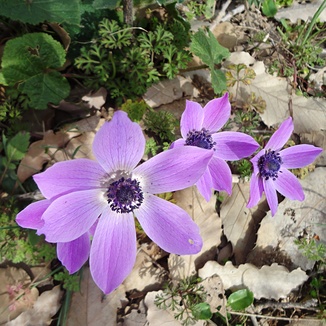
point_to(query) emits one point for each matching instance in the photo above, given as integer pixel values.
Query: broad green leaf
(208, 49)
(30, 61)
(240, 299)
(17, 146)
(45, 88)
(218, 81)
(269, 8)
(202, 311)
(37, 11)
(105, 4)
(2, 80)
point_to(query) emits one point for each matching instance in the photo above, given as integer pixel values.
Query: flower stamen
(125, 195)
(201, 139)
(269, 165)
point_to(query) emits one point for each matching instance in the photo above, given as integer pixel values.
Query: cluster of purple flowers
(89, 206)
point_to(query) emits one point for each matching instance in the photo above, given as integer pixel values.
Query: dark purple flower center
(269, 165)
(200, 139)
(125, 195)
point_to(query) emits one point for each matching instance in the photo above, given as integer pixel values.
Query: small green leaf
(208, 49)
(33, 238)
(202, 311)
(269, 8)
(240, 299)
(17, 146)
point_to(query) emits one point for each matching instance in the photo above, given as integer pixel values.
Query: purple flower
(82, 192)
(199, 128)
(271, 166)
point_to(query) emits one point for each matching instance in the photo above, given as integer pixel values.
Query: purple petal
(221, 175)
(299, 156)
(113, 251)
(281, 135)
(205, 185)
(74, 254)
(289, 186)
(233, 146)
(217, 113)
(169, 226)
(31, 216)
(119, 144)
(178, 143)
(271, 195)
(192, 118)
(72, 215)
(174, 169)
(256, 190)
(68, 176)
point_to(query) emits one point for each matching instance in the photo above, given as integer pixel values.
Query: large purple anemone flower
(199, 128)
(82, 195)
(271, 166)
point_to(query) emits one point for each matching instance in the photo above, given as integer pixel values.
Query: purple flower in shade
(81, 193)
(271, 166)
(199, 128)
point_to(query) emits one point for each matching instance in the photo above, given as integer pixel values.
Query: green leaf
(30, 61)
(17, 146)
(208, 49)
(37, 11)
(218, 81)
(2, 80)
(105, 4)
(240, 299)
(45, 88)
(269, 8)
(202, 311)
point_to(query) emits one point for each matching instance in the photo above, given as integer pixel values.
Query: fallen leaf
(168, 91)
(240, 223)
(39, 153)
(309, 114)
(91, 307)
(145, 275)
(162, 317)
(15, 295)
(97, 99)
(205, 216)
(45, 307)
(137, 317)
(270, 282)
(294, 219)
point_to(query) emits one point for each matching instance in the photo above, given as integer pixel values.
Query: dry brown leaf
(205, 216)
(301, 12)
(295, 219)
(240, 224)
(145, 275)
(39, 153)
(309, 114)
(91, 307)
(270, 282)
(168, 91)
(45, 307)
(97, 99)
(160, 317)
(15, 296)
(215, 294)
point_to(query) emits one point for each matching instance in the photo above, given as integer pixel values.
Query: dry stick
(271, 317)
